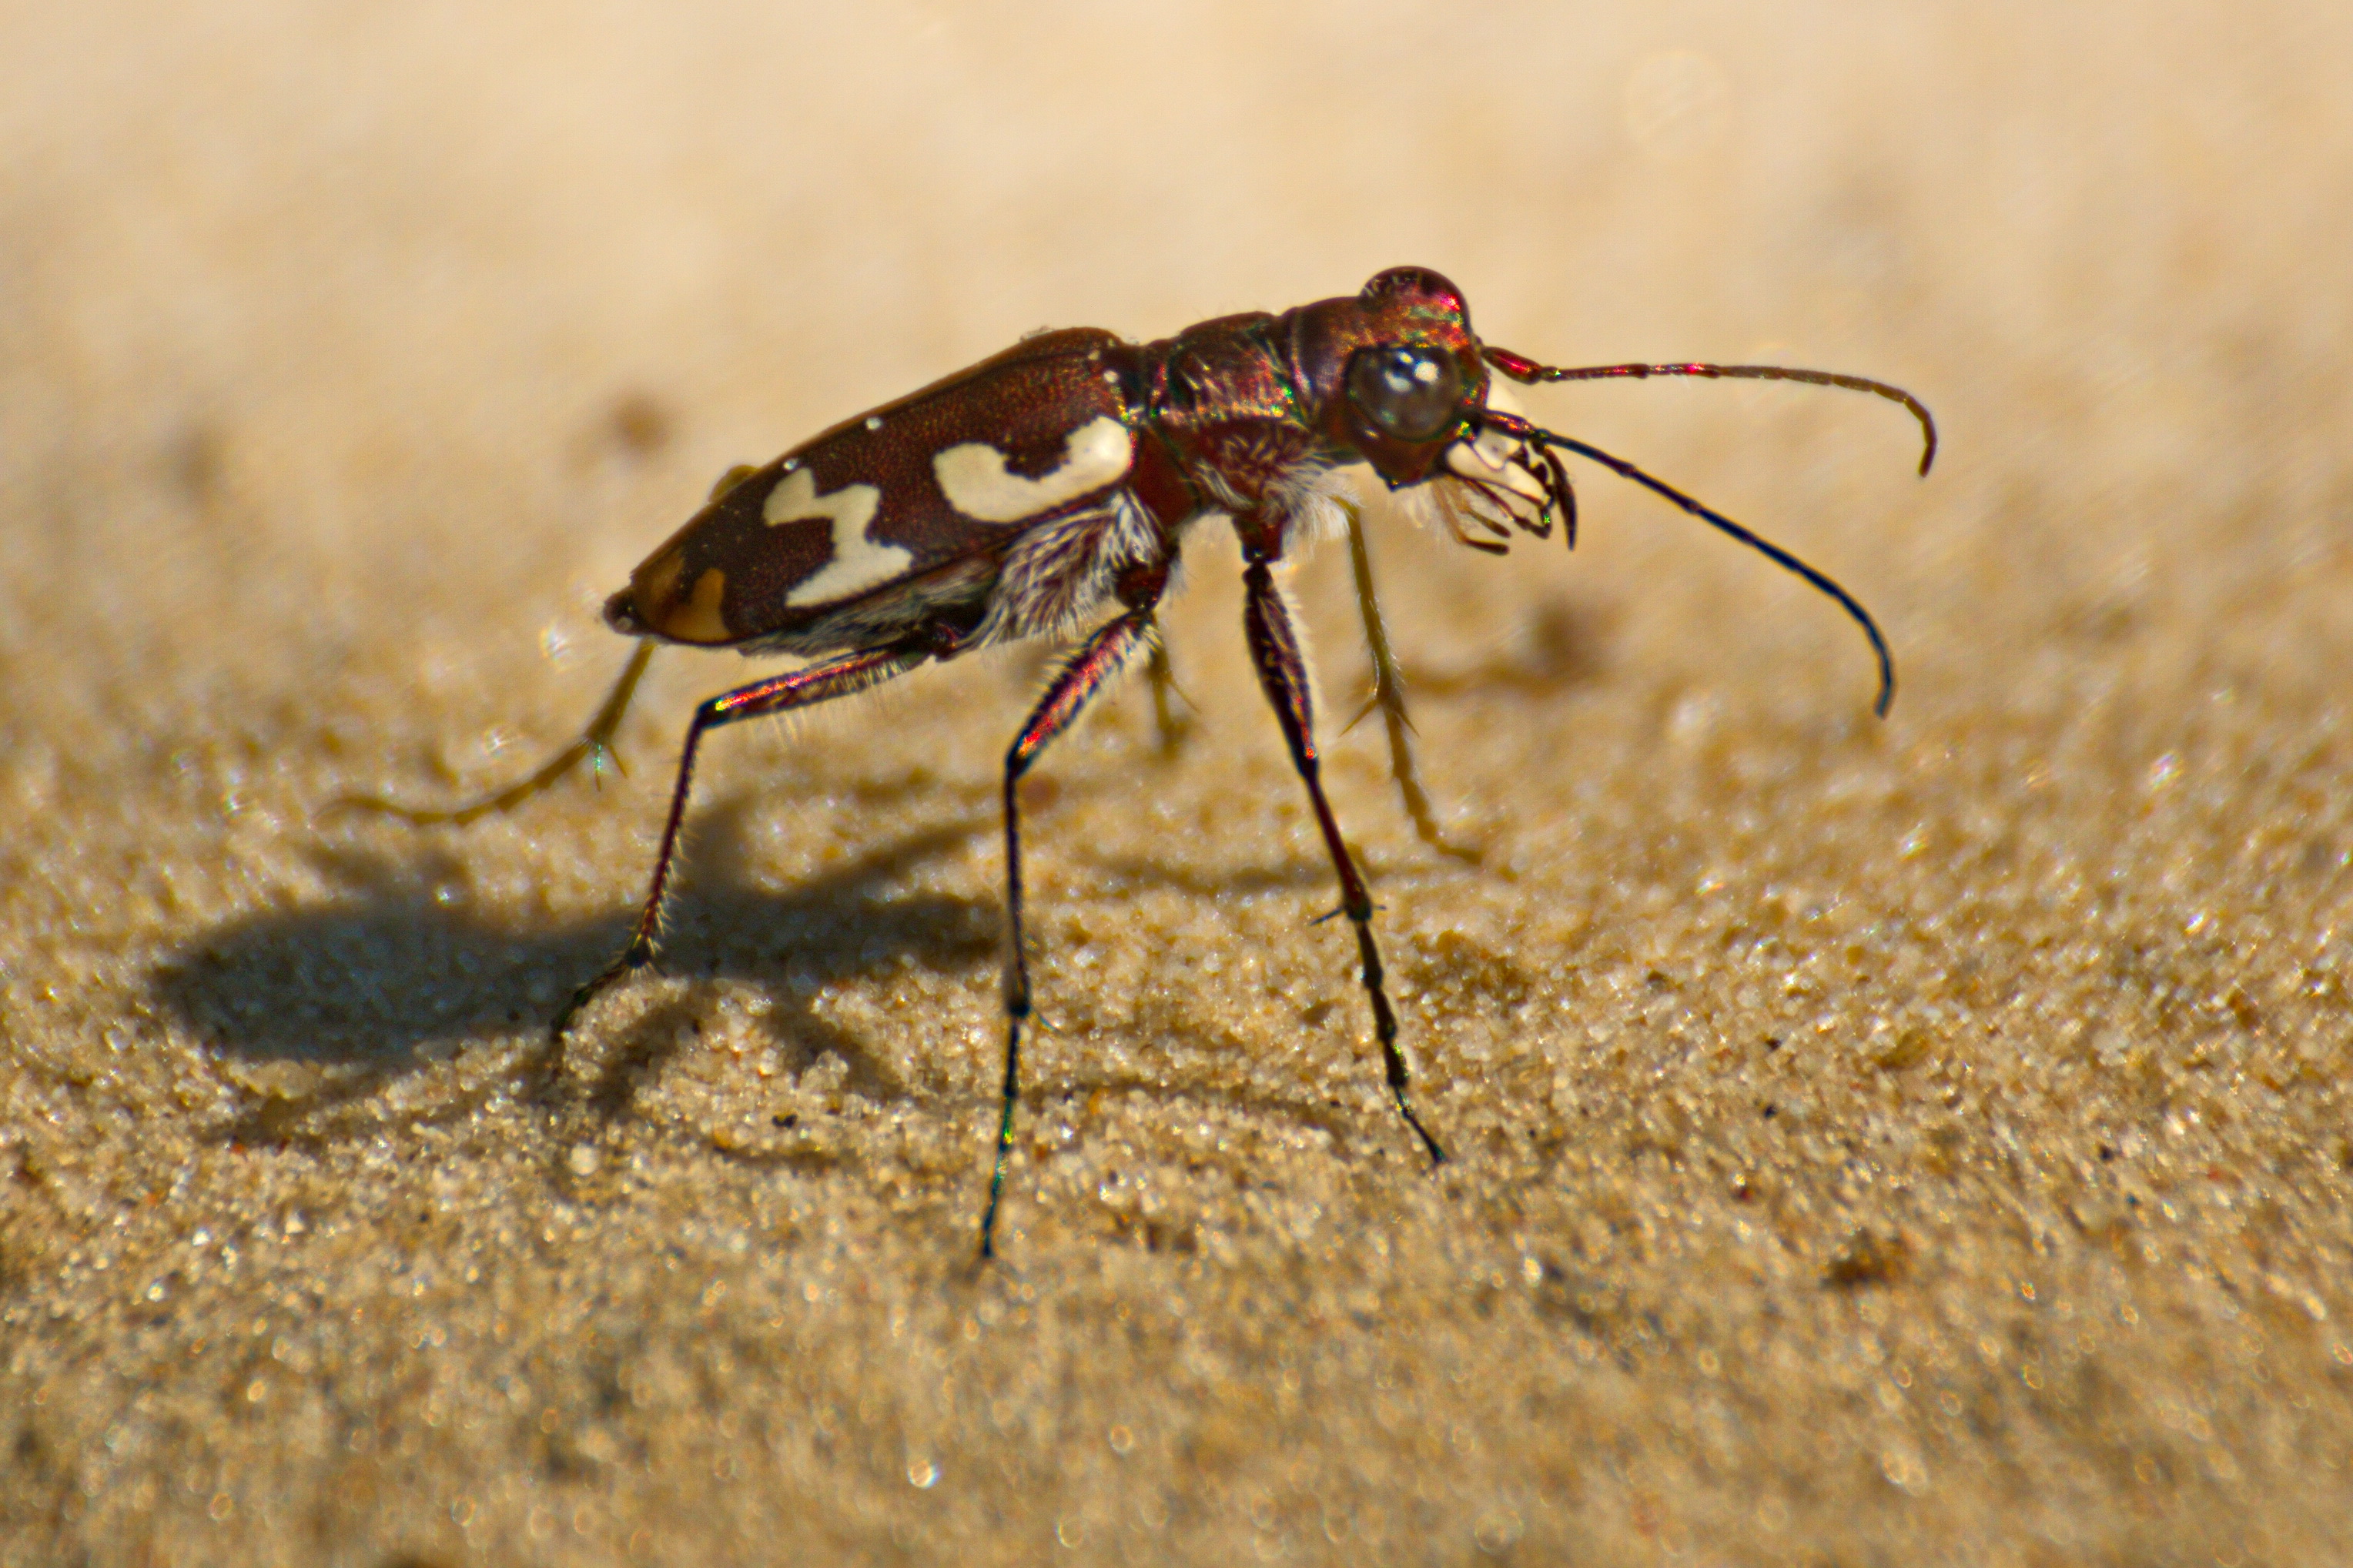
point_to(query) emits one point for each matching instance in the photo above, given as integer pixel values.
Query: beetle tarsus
(594, 744)
(1004, 1135)
(628, 964)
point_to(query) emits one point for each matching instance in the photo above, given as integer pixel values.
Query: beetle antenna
(1514, 426)
(1528, 373)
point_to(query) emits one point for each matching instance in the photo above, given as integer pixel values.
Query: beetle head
(1399, 380)
(1392, 372)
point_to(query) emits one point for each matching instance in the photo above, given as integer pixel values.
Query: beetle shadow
(361, 994)
(1559, 644)
(1121, 873)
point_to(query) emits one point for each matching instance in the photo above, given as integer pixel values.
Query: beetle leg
(1066, 697)
(800, 689)
(1388, 696)
(1171, 725)
(596, 741)
(1283, 672)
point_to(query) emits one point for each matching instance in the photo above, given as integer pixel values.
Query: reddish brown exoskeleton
(1052, 486)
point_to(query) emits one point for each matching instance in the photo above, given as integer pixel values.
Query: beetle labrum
(1052, 485)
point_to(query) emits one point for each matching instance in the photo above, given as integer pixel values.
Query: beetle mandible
(1054, 482)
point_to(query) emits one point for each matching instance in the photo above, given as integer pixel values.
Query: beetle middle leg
(1066, 697)
(1388, 696)
(800, 689)
(1274, 649)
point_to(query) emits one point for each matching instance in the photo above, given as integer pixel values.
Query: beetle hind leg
(594, 744)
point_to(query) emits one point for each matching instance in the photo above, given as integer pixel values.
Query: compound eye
(1407, 394)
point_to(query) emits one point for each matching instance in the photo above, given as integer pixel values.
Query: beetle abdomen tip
(621, 614)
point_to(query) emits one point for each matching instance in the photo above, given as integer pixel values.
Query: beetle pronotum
(1040, 488)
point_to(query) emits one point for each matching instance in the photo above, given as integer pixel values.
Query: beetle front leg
(1171, 725)
(800, 689)
(1388, 696)
(1283, 672)
(1096, 661)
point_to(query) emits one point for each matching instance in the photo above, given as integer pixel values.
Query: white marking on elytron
(858, 562)
(972, 475)
(874, 422)
(1111, 378)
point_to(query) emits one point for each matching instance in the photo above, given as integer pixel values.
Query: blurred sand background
(1876, 1143)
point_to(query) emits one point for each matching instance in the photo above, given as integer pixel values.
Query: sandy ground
(1910, 1143)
